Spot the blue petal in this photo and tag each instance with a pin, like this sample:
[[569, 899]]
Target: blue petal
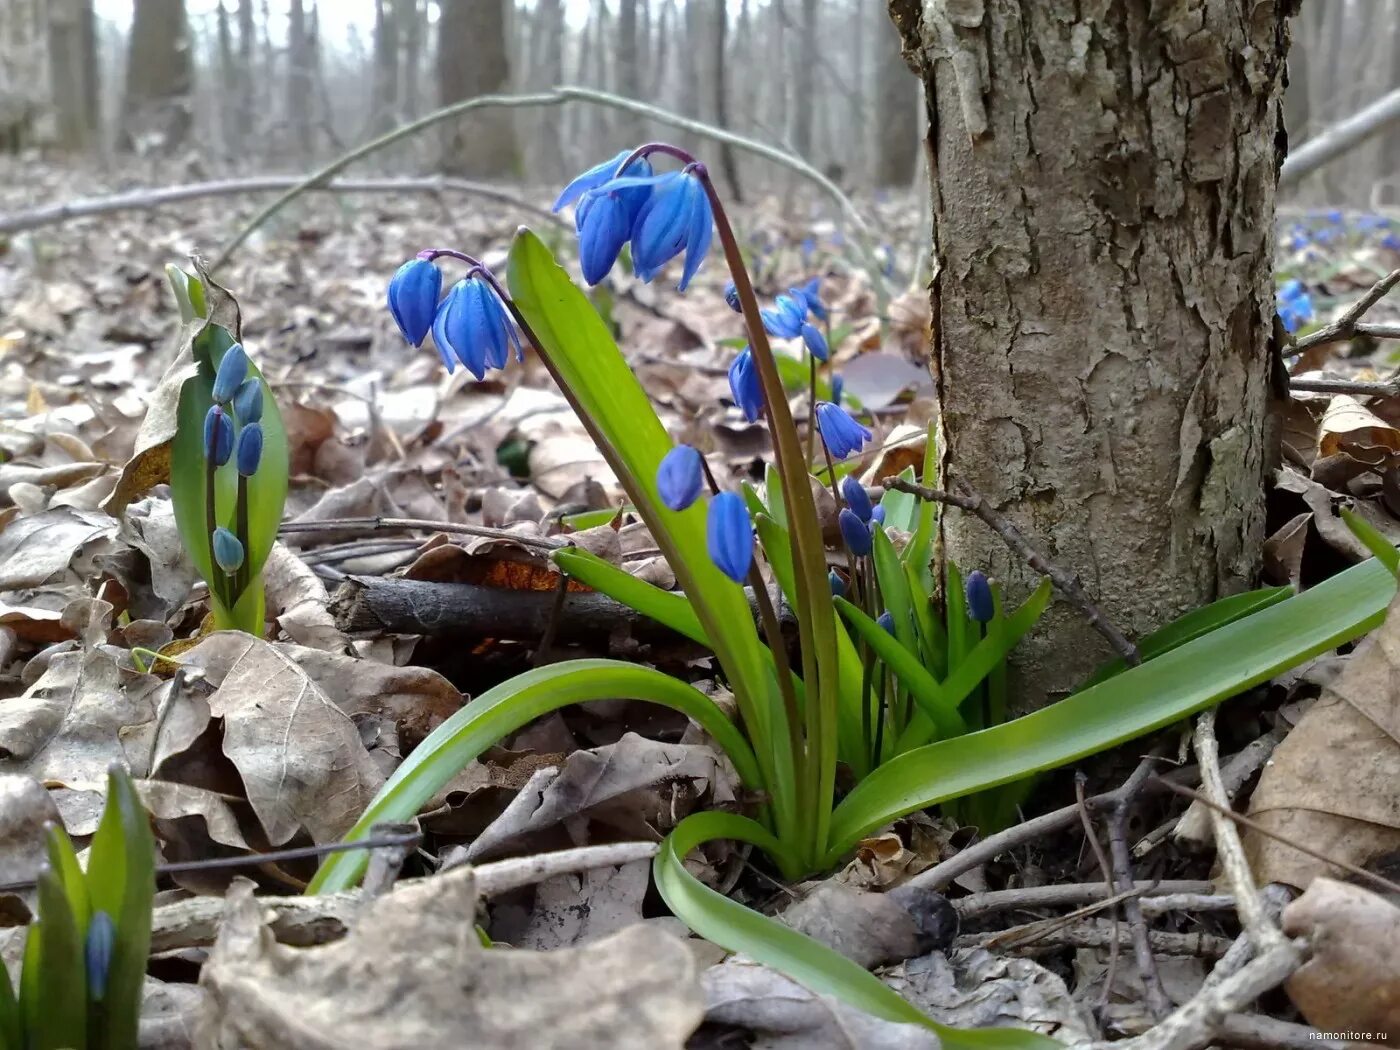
[[233, 369], [815, 341], [440, 337], [597, 175], [853, 492], [218, 436], [700, 229], [978, 591], [680, 477], [602, 235], [413, 298], [495, 332], [855, 532], [730, 536], [661, 228], [248, 402]]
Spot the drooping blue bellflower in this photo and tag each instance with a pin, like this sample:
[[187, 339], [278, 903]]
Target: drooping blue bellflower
[[811, 293], [978, 589], [729, 536], [886, 620], [413, 298], [680, 477], [841, 433], [745, 386], [836, 583], [877, 516], [731, 296], [676, 218], [472, 325], [604, 225], [783, 320]]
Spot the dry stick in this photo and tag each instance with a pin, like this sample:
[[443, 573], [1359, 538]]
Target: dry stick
[[555, 97], [1157, 1000], [1110, 883], [1067, 583], [1094, 935], [377, 522], [1337, 139], [1345, 326], [152, 199], [1167, 895]]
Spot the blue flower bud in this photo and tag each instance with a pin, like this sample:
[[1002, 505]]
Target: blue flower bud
[[853, 492], [811, 293], [838, 388], [472, 326], [598, 175], [675, 218], [248, 401], [604, 224], [877, 515], [855, 532], [784, 320], [886, 620], [233, 369], [730, 536], [97, 953], [731, 296], [815, 342], [680, 477], [836, 583], [840, 432], [218, 436], [250, 446], [228, 551], [413, 298], [979, 597], [745, 386]]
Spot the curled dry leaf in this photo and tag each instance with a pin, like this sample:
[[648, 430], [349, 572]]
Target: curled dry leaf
[[411, 973], [1334, 782], [25, 807], [1352, 981], [37, 550], [301, 759], [298, 602]]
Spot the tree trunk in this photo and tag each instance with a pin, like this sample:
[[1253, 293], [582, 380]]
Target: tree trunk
[[246, 103], [896, 135], [385, 104], [629, 70], [727, 164], [1103, 202], [159, 77], [805, 82], [299, 82], [472, 60], [412, 19], [73, 71]]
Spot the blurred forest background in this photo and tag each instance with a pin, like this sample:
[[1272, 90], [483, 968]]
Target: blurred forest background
[[272, 85]]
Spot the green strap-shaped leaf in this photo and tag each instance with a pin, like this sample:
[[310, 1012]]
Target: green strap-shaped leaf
[[665, 607], [506, 708], [11, 1020], [60, 1015], [1167, 689], [731, 925], [64, 862], [1372, 538]]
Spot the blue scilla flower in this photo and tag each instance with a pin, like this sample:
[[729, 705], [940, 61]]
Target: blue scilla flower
[[599, 174], [745, 386], [1391, 242], [472, 326], [841, 434], [730, 536], [413, 298], [97, 952], [854, 532], [233, 369], [815, 342], [838, 388], [836, 583], [1335, 216], [675, 218], [250, 446], [731, 296], [604, 223], [886, 620], [811, 292], [853, 492], [248, 401], [680, 477], [218, 436], [1295, 307], [228, 550], [978, 590], [877, 516], [784, 319]]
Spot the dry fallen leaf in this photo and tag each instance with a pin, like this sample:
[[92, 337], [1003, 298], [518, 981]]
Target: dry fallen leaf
[[1334, 782]]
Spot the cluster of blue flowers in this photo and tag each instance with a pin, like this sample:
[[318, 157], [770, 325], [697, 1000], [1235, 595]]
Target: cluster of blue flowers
[[1295, 307], [233, 429], [470, 324], [1333, 229], [660, 215]]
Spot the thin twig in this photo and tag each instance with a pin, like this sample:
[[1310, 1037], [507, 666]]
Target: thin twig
[[1184, 895], [1157, 1001], [1379, 881], [450, 528], [153, 198], [1067, 583], [1094, 934], [1347, 325], [1110, 882], [1354, 387]]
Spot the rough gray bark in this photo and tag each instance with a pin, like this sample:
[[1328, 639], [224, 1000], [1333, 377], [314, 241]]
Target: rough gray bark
[[472, 60], [1103, 181], [159, 77], [897, 107]]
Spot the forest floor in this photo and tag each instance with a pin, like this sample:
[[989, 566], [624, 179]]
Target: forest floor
[[261, 760]]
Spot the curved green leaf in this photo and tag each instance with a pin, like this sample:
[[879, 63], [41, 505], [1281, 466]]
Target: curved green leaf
[[60, 1015], [665, 607], [1377, 544], [1167, 689], [506, 708], [731, 925], [11, 1020]]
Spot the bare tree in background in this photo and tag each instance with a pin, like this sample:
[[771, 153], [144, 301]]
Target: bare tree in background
[[728, 165], [1103, 305], [299, 78], [159, 77], [472, 60], [413, 19], [73, 72], [245, 101], [385, 101], [805, 81], [897, 109], [629, 68]]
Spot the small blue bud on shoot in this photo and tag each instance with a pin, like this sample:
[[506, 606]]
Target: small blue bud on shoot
[[228, 551], [815, 342], [836, 583], [413, 298], [250, 446], [853, 492], [218, 436], [248, 401], [855, 532], [233, 369], [811, 292], [729, 536], [745, 387], [731, 296], [978, 590], [97, 953], [886, 620], [877, 515], [680, 477], [784, 319], [838, 388], [840, 432]]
